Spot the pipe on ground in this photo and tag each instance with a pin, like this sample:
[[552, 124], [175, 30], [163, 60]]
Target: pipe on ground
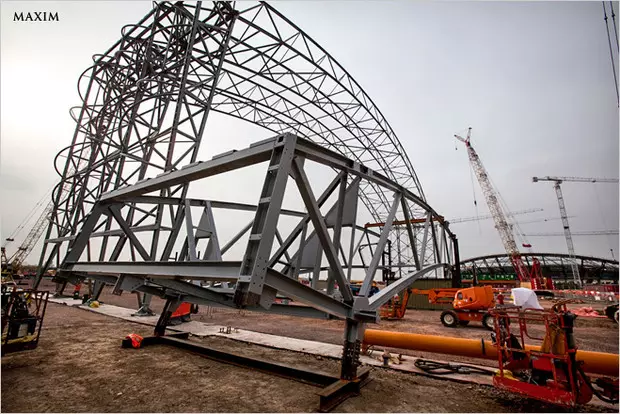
[[594, 362]]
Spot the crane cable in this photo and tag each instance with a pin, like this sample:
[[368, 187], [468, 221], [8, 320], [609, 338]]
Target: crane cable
[[473, 191], [27, 219], [613, 19], [512, 223], [604, 222], [473, 187], [611, 52]]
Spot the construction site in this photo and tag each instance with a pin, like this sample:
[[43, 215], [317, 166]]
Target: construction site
[[301, 267]]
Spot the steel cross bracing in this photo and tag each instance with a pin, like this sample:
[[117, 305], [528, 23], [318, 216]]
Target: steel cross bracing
[[146, 100], [271, 264]]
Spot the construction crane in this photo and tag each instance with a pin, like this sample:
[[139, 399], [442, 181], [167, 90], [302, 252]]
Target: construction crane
[[17, 259], [38, 228], [567, 234], [578, 233], [488, 216], [501, 224], [441, 219]]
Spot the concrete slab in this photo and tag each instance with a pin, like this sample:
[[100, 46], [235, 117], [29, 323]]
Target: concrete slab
[[322, 349], [65, 301], [283, 342]]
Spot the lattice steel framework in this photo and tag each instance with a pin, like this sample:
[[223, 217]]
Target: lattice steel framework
[[557, 265], [145, 104]]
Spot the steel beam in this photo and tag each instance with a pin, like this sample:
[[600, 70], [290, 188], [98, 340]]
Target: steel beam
[[256, 259], [239, 159], [372, 268], [203, 270], [401, 284], [321, 230]]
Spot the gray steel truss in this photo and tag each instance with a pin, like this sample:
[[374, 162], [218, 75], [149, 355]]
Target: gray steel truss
[[273, 259], [145, 104], [263, 259], [555, 265], [122, 214]]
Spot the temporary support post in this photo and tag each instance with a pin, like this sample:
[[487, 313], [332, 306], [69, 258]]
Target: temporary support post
[[169, 307], [456, 270], [353, 336]]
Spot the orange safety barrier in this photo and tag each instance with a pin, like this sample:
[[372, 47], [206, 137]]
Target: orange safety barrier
[[136, 340], [183, 310], [594, 362]]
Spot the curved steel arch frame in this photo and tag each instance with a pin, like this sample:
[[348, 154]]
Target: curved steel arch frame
[[146, 100], [555, 264]]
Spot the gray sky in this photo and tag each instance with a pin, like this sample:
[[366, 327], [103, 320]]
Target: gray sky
[[533, 79]]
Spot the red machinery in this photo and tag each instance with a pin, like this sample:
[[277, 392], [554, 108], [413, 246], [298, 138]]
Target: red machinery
[[396, 307], [550, 373], [537, 278]]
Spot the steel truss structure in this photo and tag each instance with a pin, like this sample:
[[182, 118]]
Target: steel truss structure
[[122, 215], [271, 264], [556, 265], [146, 101]]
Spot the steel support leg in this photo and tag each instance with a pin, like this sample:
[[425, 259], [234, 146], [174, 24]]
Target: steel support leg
[[144, 305], [171, 305], [60, 288], [98, 289], [353, 336]]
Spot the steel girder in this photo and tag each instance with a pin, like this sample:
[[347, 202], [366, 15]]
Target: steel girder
[[265, 270], [146, 100]]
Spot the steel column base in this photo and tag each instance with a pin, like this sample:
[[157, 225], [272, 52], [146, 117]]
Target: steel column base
[[331, 396], [144, 311], [336, 389]]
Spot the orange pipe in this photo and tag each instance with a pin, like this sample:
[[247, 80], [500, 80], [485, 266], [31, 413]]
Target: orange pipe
[[593, 362]]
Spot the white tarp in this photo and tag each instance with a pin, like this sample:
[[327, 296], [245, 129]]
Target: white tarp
[[525, 298]]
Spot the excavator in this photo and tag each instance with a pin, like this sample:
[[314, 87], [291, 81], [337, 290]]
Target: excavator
[[469, 304]]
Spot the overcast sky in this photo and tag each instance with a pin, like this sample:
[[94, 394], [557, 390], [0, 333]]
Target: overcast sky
[[533, 79]]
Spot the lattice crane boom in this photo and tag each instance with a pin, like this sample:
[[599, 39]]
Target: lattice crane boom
[[39, 227], [488, 216], [567, 233], [578, 233], [501, 224], [575, 179]]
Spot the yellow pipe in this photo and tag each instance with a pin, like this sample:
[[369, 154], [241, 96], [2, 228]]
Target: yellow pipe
[[594, 362]]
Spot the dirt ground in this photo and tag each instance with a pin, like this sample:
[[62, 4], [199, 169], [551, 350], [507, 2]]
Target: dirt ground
[[79, 366], [591, 334]]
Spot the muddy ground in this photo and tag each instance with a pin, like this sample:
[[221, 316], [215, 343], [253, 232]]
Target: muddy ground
[[592, 334], [79, 366]]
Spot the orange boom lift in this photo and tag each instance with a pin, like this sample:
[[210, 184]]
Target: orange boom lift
[[469, 304]]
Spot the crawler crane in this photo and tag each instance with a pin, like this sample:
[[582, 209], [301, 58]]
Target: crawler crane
[[501, 224]]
